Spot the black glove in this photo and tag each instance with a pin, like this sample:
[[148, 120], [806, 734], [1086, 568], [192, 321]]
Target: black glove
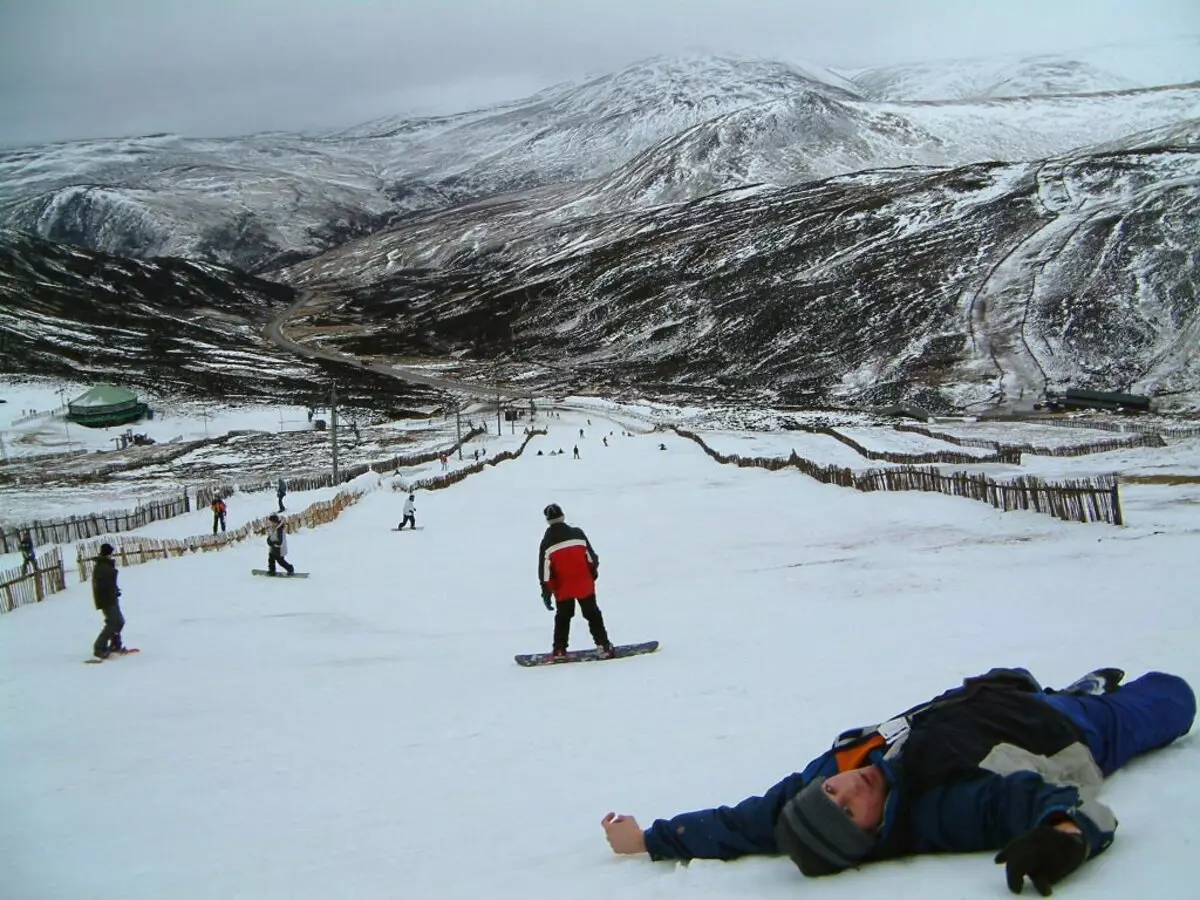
[[548, 602], [1045, 854]]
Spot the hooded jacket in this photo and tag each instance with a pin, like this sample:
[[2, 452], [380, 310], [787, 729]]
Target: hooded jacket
[[277, 539], [567, 564], [987, 765], [104, 582]]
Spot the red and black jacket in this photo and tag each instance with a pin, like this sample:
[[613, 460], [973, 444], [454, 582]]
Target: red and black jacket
[[567, 564]]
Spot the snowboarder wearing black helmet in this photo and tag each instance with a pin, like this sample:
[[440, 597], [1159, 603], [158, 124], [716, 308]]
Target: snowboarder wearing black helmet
[[568, 568], [106, 594]]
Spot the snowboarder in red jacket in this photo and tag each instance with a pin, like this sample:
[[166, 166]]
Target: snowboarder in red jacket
[[568, 568]]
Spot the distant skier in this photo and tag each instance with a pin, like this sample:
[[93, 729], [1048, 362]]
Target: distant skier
[[218, 511], [280, 492], [410, 513], [443, 459], [605, 440], [106, 595], [568, 568], [277, 546], [576, 451], [28, 554], [581, 432]]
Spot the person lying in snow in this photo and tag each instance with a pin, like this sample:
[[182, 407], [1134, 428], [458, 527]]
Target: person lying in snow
[[997, 764]]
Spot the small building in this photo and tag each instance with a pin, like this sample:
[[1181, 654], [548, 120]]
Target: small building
[[105, 405], [904, 411], [1113, 401]]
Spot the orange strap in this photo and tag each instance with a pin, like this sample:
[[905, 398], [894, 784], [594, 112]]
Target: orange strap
[[856, 757]]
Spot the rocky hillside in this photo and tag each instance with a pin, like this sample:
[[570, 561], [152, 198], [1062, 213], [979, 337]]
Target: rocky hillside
[[954, 287], [182, 328]]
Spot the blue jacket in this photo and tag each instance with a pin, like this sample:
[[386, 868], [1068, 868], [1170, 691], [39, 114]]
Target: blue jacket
[[972, 774]]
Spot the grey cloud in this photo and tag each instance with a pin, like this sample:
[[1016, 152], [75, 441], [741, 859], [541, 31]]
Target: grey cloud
[[74, 68]]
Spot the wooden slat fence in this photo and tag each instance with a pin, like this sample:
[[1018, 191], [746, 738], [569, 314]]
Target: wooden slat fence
[[1176, 432], [1004, 455], [1142, 440], [134, 551], [77, 528], [205, 495], [19, 588], [1091, 500]]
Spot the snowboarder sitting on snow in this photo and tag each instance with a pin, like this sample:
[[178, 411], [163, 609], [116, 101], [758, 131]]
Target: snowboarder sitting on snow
[[568, 568], [410, 513], [997, 764], [218, 511], [106, 595], [277, 546], [28, 554]]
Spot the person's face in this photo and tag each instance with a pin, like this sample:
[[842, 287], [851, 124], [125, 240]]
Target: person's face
[[861, 793]]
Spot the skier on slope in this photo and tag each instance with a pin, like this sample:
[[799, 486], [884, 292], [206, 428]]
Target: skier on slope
[[410, 513], [106, 596], [568, 568], [28, 553], [999, 763], [218, 511], [277, 546]]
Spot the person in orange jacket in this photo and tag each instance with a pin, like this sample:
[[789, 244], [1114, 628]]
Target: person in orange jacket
[[568, 568]]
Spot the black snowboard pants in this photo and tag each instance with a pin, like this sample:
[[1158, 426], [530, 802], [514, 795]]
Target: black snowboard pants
[[408, 520], [273, 557], [109, 639], [591, 612], [218, 519]]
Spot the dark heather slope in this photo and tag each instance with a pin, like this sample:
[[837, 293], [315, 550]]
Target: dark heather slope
[[169, 325]]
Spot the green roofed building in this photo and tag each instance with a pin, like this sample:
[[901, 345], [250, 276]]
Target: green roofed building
[[104, 405]]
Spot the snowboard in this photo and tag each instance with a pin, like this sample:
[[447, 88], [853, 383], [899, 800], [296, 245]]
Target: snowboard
[[622, 650], [280, 574], [95, 660], [411, 528]]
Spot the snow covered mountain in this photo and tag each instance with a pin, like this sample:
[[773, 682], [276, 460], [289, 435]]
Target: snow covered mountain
[[952, 287], [707, 224], [664, 130], [1113, 68], [813, 136]]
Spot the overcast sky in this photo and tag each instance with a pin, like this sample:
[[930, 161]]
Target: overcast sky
[[88, 68]]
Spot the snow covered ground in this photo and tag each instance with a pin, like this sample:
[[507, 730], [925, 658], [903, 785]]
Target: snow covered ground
[[365, 733]]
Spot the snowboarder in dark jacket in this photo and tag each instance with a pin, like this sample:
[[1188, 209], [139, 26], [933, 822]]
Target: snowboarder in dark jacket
[[568, 568], [280, 492], [997, 764], [106, 595], [277, 546], [28, 554]]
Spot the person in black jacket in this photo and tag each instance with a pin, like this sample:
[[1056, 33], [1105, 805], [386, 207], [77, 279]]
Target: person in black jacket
[[1000, 763], [28, 554], [106, 595]]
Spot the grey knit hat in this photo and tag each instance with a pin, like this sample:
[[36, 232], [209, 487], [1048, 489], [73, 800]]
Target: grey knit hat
[[818, 835]]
